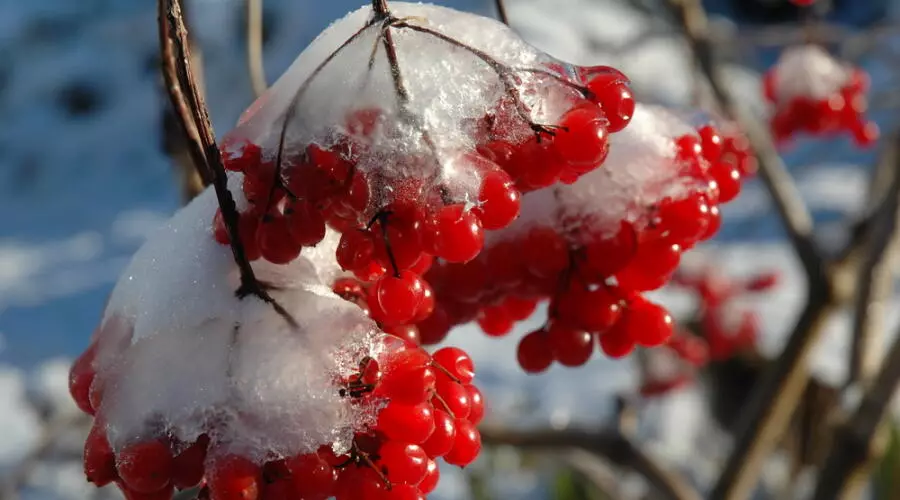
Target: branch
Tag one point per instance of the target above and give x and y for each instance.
(608, 444)
(185, 94)
(875, 275)
(854, 439)
(501, 12)
(776, 396)
(255, 47)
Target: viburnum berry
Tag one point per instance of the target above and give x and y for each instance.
(81, 377)
(355, 250)
(570, 346)
(651, 267)
(402, 463)
(499, 201)
(146, 466)
(456, 362)
(456, 234)
(604, 255)
(582, 140)
(534, 353)
(188, 465)
(683, 221)
(406, 422)
(616, 342)
(453, 397)
(441, 440)
(275, 242)
(397, 298)
(99, 460)
(312, 477)
(615, 98)
(233, 477)
(466, 444)
(476, 401)
(519, 309)
(431, 479)
(305, 223)
(647, 323)
(495, 321)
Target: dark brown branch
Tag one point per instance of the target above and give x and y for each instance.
(255, 66)
(501, 12)
(380, 8)
(174, 41)
(608, 444)
(854, 439)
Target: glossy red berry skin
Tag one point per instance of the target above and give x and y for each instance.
(233, 477)
(188, 466)
(499, 201)
(614, 97)
(402, 463)
(647, 323)
(476, 400)
(466, 445)
(616, 342)
(81, 377)
(582, 141)
(397, 298)
(145, 467)
(456, 362)
(441, 440)
(99, 460)
(570, 346)
(312, 477)
(651, 267)
(456, 234)
(407, 423)
(534, 353)
(431, 479)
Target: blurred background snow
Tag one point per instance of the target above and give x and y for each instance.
(83, 178)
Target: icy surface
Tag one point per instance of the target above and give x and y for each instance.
(808, 71)
(177, 348)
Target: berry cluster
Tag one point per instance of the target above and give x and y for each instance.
(428, 408)
(593, 281)
(816, 94)
(394, 224)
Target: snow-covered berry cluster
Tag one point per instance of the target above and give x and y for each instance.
(413, 170)
(814, 93)
(593, 247)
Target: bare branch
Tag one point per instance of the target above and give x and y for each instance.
(177, 68)
(501, 12)
(774, 399)
(608, 444)
(875, 275)
(255, 65)
(855, 439)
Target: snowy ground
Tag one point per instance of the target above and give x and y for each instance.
(81, 189)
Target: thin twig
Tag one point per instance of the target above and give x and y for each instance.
(875, 275)
(255, 65)
(608, 444)
(501, 12)
(174, 43)
(854, 439)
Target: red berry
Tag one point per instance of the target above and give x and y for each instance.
(466, 444)
(435, 327)
(402, 463)
(548, 252)
(275, 242)
(457, 234)
(614, 97)
(407, 332)
(407, 383)
(305, 223)
(519, 309)
(188, 466)
(81, 377)
(604, 255)
(432, 477)
(534, 353)
(404, 492)
(233, 477)
(683, 221)
(476, 399)
(651, 267)
(582, 141)
(495, 321)
(499, 200)
(570, 346)
(99, 460)
(405, 422)
(146, 466)
(711, 143)
(397, 298)
(355, 250)
(648, 324)
(453, 397)
(616, 342)
(456, 362)
(441, 440)
(313, 478)
(728, 177)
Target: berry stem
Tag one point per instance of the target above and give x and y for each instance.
(380, 8)
(173, 36)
